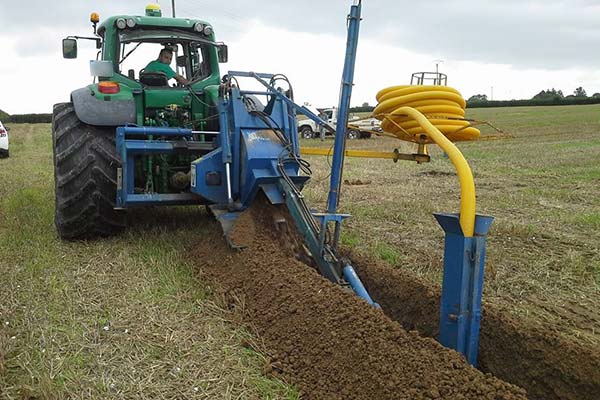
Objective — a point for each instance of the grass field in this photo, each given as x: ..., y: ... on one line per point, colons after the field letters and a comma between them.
x: 116, y: 318
x: 126, y: 318
x: 542, y: 186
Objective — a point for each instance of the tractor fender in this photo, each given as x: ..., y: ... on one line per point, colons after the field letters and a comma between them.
x: 94, y: 111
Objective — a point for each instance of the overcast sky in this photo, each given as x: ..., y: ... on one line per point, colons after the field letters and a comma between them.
x: 514, y: 48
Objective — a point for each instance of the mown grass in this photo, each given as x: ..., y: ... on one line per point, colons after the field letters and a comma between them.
x: 116, y: 318
x: 542, y: 186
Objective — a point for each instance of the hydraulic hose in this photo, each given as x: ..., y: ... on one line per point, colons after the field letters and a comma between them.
x: 401, y: 110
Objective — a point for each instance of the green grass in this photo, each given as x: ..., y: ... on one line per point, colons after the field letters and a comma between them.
x: 123, y: 317
x: 542, y: 185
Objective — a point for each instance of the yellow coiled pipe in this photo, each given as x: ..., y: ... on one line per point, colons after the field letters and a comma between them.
x: 443, y: 105
x: 401, y: 110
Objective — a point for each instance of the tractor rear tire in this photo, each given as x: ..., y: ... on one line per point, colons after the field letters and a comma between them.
x: 85, y: 177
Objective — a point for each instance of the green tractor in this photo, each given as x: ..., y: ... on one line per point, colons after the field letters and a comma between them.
x: 86, y: 163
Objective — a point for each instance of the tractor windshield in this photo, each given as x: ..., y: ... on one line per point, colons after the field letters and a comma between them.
x: 190, y: 53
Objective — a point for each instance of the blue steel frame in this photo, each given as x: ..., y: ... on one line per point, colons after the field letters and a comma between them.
x: 250, y: 151
x: 129, y: 148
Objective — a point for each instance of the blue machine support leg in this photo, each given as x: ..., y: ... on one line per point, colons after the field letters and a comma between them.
x: 464, y: 257
x: 344, y: 105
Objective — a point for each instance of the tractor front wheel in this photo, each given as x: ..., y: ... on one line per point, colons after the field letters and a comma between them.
x: 85, y: 177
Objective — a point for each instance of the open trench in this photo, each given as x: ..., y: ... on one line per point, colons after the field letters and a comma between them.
x: 332, y: 345
x: 527, y: 354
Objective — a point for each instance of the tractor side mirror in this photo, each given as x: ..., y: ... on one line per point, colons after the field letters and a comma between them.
x: 181, y: 61
x: 69, y: 48
x: 222, y: 51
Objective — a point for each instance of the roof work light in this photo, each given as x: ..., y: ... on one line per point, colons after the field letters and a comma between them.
x: 153, y: 10
x: 94, y: 19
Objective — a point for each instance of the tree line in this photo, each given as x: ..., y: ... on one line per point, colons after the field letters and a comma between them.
x: 25, y: 118
x: 548, y: 97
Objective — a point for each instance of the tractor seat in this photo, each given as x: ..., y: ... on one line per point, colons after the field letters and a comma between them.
x: 154, y: 78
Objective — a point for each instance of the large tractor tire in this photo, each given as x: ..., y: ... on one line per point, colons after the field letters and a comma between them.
x: 85, y: 177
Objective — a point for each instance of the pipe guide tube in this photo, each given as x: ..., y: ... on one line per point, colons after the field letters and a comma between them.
x: 460, y: 310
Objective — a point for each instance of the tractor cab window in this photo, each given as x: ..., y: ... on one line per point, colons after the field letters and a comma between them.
x: 189, y: 59
x: 135, y: 57
x: 199, y: 61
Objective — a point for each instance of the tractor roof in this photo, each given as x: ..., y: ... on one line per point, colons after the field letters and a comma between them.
x: 158, y: 22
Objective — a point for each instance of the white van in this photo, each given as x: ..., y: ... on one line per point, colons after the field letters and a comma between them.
x: 3, y: 141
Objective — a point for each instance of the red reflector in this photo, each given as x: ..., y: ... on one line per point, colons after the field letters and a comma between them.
x: 108, y: 87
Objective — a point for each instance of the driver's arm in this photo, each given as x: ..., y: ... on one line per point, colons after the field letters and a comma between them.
x: 181, y: 80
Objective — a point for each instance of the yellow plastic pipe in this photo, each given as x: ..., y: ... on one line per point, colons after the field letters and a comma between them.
x: 442, y: 105
x: 465, y: 176
x: 395, y: 91
x: 392, y: 103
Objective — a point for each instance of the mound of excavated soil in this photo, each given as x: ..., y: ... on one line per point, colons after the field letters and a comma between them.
x: 547, y: 365
x: 328, y: 342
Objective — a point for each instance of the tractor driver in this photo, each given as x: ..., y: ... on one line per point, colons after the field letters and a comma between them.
x: 163, y: 64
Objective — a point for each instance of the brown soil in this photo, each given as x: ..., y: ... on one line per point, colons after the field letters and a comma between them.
x: 527, y: 354
x: 328, y: 342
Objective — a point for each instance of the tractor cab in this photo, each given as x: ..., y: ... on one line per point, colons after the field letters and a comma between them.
x: 126, y: 75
